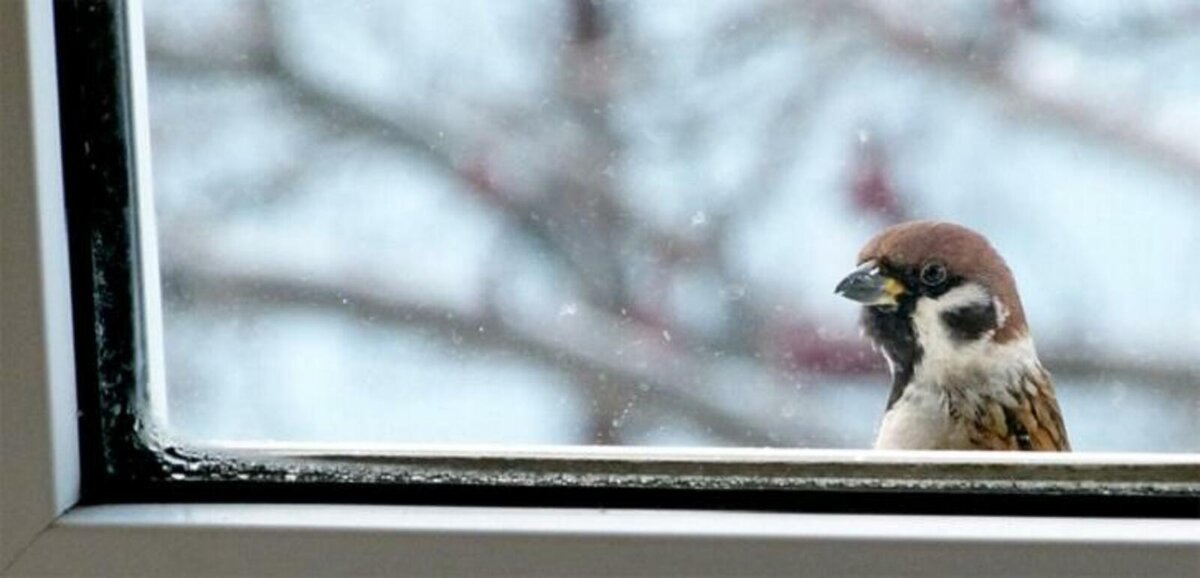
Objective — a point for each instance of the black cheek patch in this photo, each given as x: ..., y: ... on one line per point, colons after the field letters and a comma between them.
x: 971, y: 322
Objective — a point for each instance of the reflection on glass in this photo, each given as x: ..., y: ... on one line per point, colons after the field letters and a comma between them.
x: 576, y: 222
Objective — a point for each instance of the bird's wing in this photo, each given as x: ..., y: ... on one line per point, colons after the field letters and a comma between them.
x: 1030, y: 421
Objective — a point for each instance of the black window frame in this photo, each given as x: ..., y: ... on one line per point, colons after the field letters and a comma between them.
x: 123, y: 462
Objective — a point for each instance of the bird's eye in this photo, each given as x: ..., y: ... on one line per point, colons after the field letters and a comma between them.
x: 933, y: 274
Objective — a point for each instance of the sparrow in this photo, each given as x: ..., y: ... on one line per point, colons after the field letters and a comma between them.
x: 942, y: 306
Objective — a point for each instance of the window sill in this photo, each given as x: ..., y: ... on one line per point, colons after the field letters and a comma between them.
x: 238, y: 539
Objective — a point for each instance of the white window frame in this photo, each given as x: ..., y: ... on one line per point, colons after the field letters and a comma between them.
x: 45, y: 531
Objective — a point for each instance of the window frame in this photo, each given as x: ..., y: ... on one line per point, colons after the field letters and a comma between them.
x: 59, y: 518
x: 128, y: 458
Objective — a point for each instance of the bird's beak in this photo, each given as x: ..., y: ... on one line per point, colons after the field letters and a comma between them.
x: 870, y: 287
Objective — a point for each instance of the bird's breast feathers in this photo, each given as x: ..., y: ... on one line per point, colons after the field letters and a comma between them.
x: 999, y: 399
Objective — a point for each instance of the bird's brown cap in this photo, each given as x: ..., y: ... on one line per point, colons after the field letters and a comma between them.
x: 964, y: 253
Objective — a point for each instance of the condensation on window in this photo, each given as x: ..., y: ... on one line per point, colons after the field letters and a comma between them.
x: 575, y: 222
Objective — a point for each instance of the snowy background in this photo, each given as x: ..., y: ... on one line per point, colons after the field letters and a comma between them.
x: 575, y: 222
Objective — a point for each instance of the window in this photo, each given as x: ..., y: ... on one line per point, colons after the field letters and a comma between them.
x: 578, y: 223
x: 180, y: 149
x: 614, y: 223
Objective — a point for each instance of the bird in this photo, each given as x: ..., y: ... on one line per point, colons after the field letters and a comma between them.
x: 941, y: 305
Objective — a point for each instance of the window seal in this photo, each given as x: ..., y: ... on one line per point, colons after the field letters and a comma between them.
x: 100, y: 198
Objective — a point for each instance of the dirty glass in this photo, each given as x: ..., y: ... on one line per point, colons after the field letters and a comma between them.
x: 574, y: 222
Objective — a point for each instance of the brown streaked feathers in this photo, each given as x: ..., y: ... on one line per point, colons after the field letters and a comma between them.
x: 1033, y: 423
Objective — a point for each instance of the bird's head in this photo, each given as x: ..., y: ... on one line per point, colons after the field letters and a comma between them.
x: 934, y: 292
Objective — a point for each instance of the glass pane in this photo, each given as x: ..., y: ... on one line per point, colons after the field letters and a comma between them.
x: 620, y: 223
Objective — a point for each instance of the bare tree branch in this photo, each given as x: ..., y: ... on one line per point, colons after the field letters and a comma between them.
x: 1082, y: 111
x: 635, y: 359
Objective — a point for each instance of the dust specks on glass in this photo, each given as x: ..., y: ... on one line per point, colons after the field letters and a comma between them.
x: 571, y: 222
